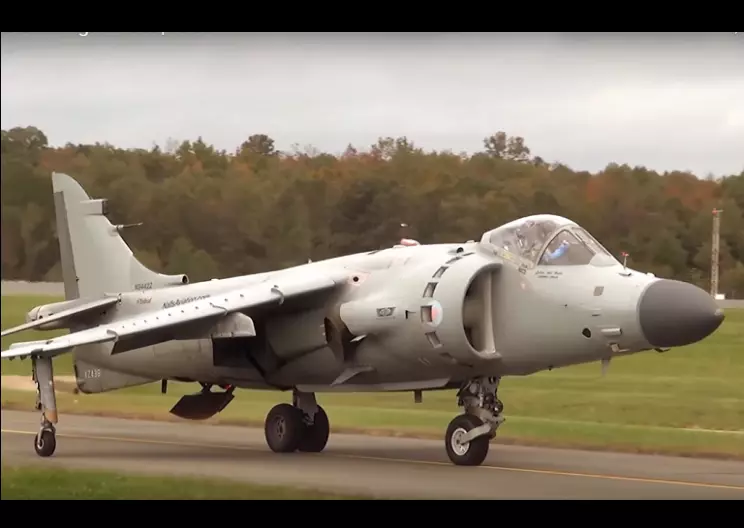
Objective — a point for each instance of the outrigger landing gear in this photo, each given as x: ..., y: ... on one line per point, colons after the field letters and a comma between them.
x: 469, y: 435
x: 45, y: 441
x: 302, y: 426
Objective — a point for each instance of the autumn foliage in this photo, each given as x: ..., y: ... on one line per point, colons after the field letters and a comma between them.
x: 211, y: 213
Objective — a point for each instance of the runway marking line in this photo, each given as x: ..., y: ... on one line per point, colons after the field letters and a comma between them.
x: 397, y: 460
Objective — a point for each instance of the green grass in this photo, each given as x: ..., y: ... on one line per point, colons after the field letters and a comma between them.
x: 647, y: 403
x: 36, y: 483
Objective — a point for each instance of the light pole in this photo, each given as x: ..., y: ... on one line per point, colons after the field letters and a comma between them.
x: 714, y: 251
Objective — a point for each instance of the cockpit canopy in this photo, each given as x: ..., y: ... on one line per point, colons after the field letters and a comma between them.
x: 548, y: 240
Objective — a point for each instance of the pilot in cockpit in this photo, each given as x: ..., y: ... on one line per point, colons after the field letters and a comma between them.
x: 558, y: 252
x: 567, y: 249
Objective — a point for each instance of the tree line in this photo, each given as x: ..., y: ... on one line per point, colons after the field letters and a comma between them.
x: 212, y: 213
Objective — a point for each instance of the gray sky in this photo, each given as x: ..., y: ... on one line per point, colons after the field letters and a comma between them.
x: 667, y: 101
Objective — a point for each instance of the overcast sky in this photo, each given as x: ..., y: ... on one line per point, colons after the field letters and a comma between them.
x: 668, y: 102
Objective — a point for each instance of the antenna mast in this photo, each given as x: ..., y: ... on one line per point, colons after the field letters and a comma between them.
x: 714, y: 251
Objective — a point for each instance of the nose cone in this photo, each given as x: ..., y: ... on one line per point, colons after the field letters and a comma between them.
x: 674, y: 313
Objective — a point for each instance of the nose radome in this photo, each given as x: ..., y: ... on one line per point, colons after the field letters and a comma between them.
x: 674, y: 313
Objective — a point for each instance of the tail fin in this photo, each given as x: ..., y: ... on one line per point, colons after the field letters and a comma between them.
x: 95, y: 259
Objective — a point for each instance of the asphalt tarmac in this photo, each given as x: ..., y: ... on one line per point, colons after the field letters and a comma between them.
x: 378, y: 466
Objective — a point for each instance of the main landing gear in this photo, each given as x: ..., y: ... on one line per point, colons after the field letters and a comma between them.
x: 469, y: 435
x: 45, y: 441
x: 302, y: 426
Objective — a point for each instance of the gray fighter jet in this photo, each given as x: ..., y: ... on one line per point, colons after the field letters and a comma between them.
x: 534, y: 294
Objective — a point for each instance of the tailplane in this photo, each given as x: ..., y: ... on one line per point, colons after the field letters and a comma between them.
x: 95, y: 258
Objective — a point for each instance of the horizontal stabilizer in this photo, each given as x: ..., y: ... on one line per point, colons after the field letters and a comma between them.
x: 69, y: 313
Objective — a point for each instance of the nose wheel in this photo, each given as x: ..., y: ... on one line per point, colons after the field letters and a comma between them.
x: 461, y: 451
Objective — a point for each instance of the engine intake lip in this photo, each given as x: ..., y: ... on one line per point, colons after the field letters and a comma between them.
x: 477, y: 326
x: 451, y: 293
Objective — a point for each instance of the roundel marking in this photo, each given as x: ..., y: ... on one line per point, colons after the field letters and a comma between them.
x: 436, y: 313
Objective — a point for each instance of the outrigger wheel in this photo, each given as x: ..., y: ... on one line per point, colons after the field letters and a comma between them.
x: 45, y: 442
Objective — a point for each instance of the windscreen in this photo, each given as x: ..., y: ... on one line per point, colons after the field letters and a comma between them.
x: 575, y: 247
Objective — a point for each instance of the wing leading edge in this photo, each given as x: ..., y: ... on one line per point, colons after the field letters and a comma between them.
x: 212, y: 309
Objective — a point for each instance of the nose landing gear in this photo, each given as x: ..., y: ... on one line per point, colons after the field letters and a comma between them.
x: 468, y: 436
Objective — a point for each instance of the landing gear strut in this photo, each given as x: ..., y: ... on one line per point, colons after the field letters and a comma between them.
x: 468, y: 435
x: 302, y: 426
x: 45, y: 441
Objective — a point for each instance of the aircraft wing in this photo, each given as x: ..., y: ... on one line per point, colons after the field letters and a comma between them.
x: 74, y: 312
x: 158, y: 326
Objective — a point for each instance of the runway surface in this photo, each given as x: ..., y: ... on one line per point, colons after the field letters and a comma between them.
x: 385, y: 467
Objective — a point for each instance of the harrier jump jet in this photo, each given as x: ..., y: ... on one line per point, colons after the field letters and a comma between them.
x: 537, y: 293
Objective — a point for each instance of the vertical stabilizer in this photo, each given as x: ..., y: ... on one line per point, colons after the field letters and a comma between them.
x: 95, y: 258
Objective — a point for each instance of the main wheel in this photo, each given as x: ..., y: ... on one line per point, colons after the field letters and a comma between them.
x: 45, y: 443
x: 284, y: 428
x: 472, y: 453
x: 316, y: 435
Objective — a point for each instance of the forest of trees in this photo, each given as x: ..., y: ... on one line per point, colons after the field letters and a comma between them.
x: 211, y: 213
